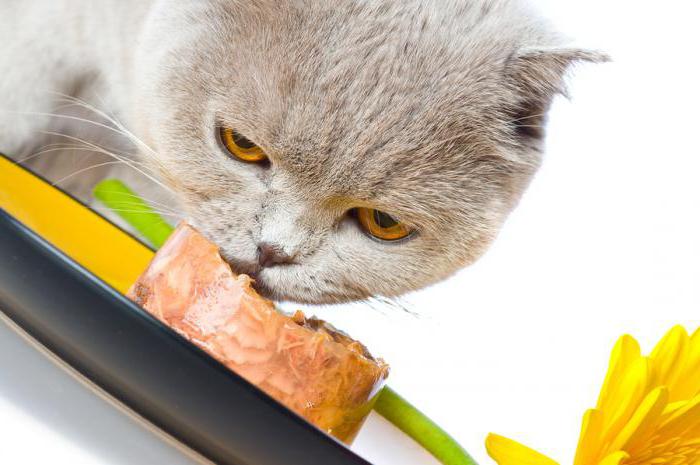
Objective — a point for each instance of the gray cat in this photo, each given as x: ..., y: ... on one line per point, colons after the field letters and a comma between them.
x: 334, y: 149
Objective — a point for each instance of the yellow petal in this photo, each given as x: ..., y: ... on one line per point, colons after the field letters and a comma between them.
x: 615, y: 458
x: 687, y: 384
x: 508, y: 452
x: 672, y: 407
x: 643, y: 420
x: 626, y: 351
x: 681, y: 420
x: 589, y: 441
x: 624, y: 399
x: 668, y: 357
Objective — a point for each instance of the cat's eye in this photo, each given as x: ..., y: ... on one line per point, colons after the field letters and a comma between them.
x: 382, y: 225
x: 240, y: 147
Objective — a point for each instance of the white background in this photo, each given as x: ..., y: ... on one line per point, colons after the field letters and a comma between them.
x: 606, y: 242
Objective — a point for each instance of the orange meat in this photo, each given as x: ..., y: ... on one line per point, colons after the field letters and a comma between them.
x: 306, y: 364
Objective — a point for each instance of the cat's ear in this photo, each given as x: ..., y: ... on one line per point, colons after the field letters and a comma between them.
x: 538, y: 75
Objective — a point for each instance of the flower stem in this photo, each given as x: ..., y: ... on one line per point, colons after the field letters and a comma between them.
x: 421, y: 429
x: 119, y: 198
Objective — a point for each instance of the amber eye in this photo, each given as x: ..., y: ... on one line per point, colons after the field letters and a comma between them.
x: 241, y: 148
x: 382, y: 225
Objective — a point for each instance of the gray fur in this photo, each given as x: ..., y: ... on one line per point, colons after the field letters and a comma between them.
x: 430, y: 110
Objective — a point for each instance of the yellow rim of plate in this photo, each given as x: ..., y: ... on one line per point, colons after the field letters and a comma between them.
x: 83, y: 235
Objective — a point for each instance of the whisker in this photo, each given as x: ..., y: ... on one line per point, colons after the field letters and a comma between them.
x: 160, y: 210
x: 123, y: 159
x: 46, y: 149
x: 537, y: 126
x: 98, y: 165
x: 122, y: 210
x: 139, y: 200
x: 75, y: 149
x: 540, y: 115
x: 117, y: 127
x: 109, y: 118
x: 110, y: 151
x: 74, y: 118
x: 373, y: 305
x: 395, y: 303
x: 65, y: 146
x: 96, y: 147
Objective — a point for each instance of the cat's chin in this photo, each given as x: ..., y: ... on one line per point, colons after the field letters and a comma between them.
x: 242, y: 267
x: 253, y: 270
x: 259, y: 283
x: 264, y: 290
x: 300, y: 295
x: 267, y: 283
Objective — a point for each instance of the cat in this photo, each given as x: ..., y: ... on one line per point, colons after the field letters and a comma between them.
x: 334, y: 149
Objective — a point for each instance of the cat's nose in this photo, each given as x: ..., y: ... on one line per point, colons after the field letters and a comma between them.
x: 271, y: 255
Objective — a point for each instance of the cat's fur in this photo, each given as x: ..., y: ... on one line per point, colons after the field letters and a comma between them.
x: 430, y: 110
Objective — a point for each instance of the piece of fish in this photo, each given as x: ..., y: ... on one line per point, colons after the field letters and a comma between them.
x: 315, y: 370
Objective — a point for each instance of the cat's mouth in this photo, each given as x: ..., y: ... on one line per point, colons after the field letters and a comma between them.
x: 263, y: 286
x: 253, y: 270
x: 241, y: 267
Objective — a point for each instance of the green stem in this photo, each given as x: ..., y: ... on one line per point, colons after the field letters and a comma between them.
x: 421, y: 429
x: 123, y: 201
x: 131, y: 208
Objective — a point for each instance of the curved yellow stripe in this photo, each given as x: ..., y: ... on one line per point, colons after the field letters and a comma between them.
x: 589, y: 442
x: 669, y: 356
x: 626, y: 352
x: 682, y: 420
x: 629, y: 391
x: 508, y: 452
x: 86, y: 237
x: 637, y: 428
x: 615, y: 458
x: 687, y: 385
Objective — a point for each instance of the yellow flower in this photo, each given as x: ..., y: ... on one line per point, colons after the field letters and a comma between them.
x: 648, y: 412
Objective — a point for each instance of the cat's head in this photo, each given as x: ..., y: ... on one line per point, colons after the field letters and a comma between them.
x: 429, y: 112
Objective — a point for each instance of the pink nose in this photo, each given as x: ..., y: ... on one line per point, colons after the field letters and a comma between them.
x: 270, y: 255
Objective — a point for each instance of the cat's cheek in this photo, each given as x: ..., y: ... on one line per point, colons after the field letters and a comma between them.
x: 236, y: 244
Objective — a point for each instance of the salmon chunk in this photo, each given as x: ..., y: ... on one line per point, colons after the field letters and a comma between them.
x: 304, y: 363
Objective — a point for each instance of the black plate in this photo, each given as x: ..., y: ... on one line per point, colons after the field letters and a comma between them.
x: 146, y: 366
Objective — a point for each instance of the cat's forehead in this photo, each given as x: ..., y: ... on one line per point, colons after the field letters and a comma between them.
x: 386, y: 94
x: 370, y: 62
x: 377, y: 98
